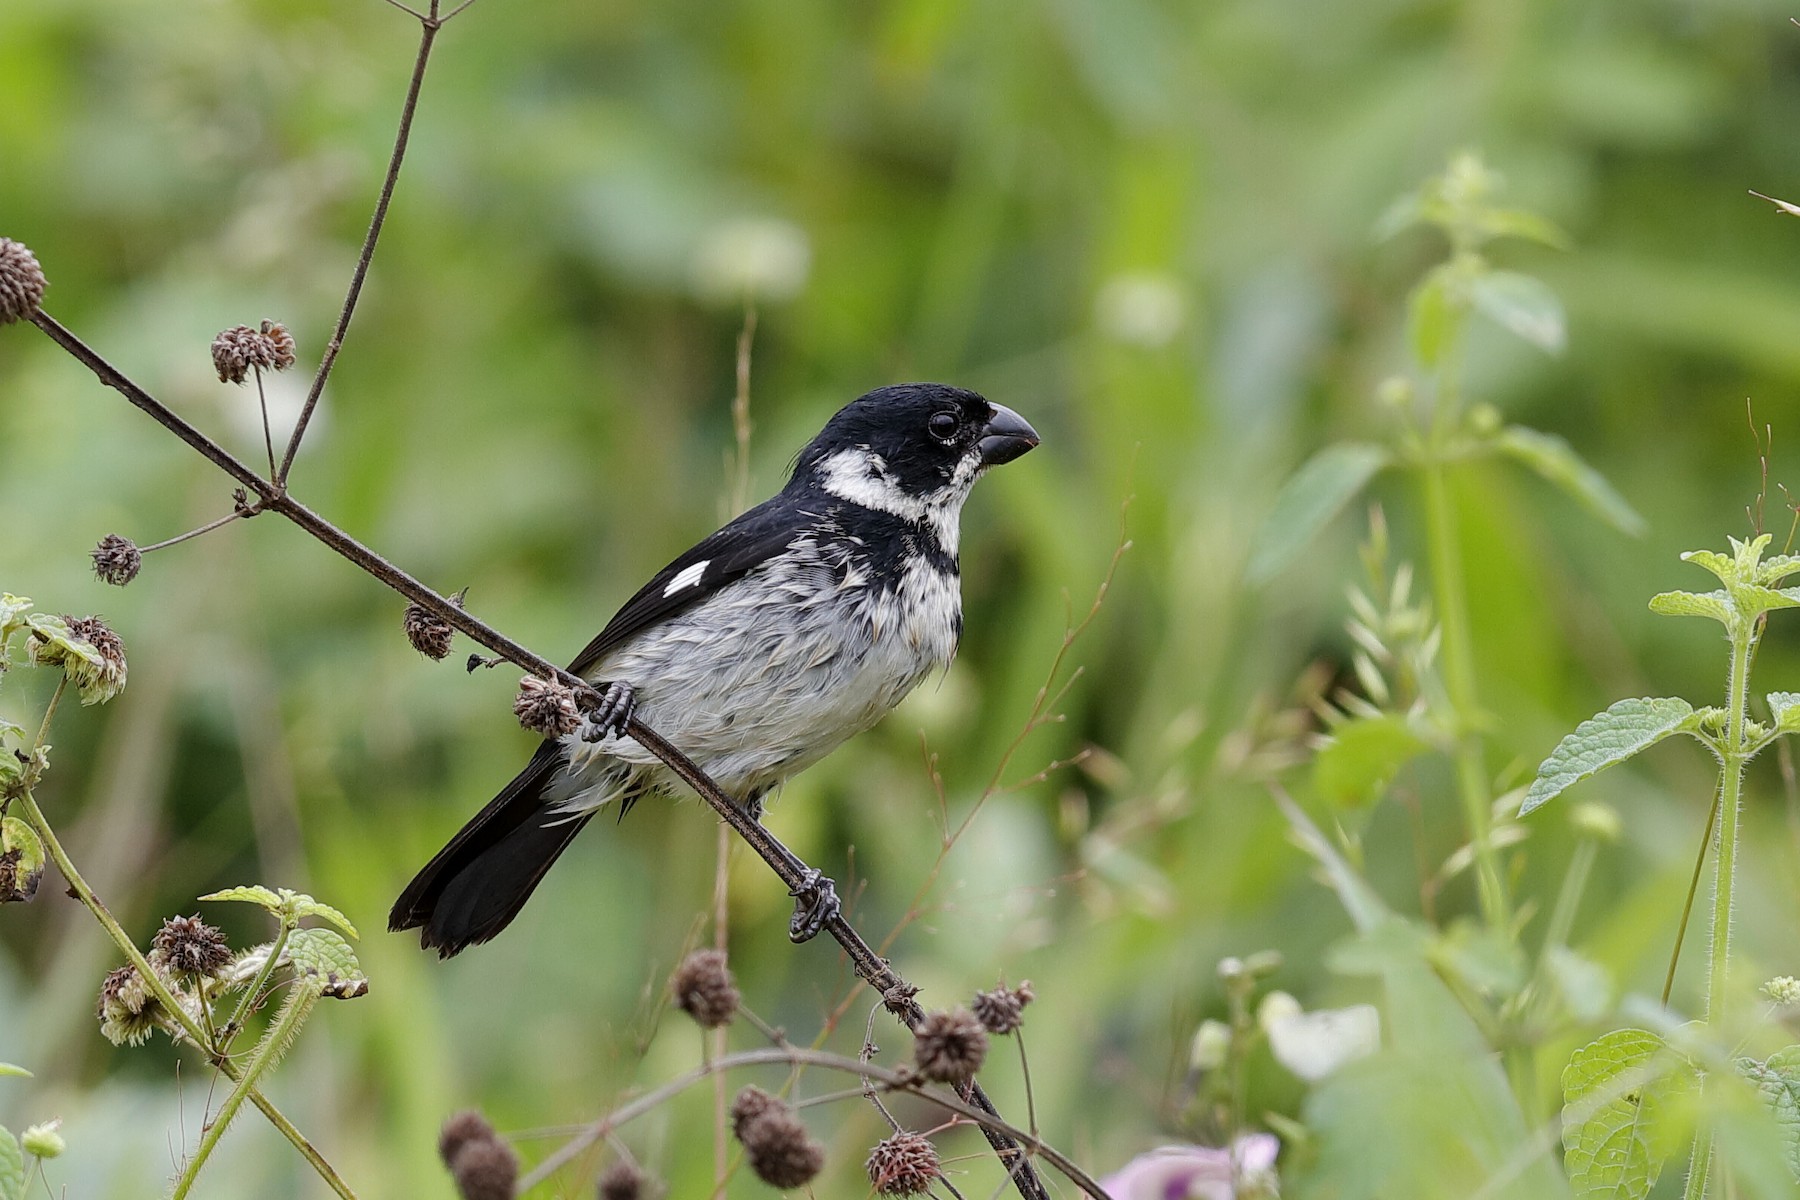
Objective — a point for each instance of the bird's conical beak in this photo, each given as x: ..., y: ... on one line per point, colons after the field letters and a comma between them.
x: 1006, y: 437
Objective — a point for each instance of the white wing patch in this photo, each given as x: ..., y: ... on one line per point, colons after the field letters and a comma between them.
x: 688, y: 577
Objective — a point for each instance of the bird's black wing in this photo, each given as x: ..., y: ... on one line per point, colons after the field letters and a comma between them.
x: 725, y: 556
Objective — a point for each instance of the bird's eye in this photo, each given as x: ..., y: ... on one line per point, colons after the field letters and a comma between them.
x: 942, y: 425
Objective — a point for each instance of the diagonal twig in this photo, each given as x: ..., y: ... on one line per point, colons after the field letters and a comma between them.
x: 897, y: 995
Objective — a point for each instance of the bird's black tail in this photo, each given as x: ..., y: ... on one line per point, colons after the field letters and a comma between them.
x: 478, y: 882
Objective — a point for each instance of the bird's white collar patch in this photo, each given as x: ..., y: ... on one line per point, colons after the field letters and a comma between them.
x: 860, y: 476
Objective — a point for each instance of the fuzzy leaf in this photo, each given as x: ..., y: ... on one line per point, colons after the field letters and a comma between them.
x: 253, y: 894
x: 1625, y: 729
x: 1613, y: 1089
x: 1307, y: 502
x: 1523, y: 305
x: 1555, y: 460
x: 1363, y: 757
x: 1776, y: 569
x: 326, y: 961
x: 1713, y: 561
x: 306, y: 906
x: 19, y: 878
x: 1716, y: 605
x: 1753, y: 599
x: 12, y: 1167
x: 1778, y: 1082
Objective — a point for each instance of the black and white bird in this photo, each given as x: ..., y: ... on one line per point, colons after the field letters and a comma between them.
x: 798, y: 625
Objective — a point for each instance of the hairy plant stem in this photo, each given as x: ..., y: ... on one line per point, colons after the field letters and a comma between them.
x: 1459, y: 683
x: 894, y: 990
x: 800, y: 1056
x: 294, y: 1009
x: 34, y: 817
x: 262, y: 977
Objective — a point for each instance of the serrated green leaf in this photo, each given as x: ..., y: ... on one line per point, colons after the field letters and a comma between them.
x: 12, y: 1167
x: 326, y: 961
x: 1713, y: 561
x: 7, y: 1068
x: 306, y: 906
x: 1753, y: 599
x: 1774, y: 570
x: 1522, y: 305
x: 1559, y: 464
x: 252, y: 894
x: 1433, y: 316
x: 1748, y: 555
x: 1778, y: 1082
x: 1625, y: 729
x: 1316, y: 493
x: 1716, y: 604
x: 8, y: 729
x: 1613, y: 1091
x: 1363, y: 757
x: 1784, y: 708
x: 19, y: 876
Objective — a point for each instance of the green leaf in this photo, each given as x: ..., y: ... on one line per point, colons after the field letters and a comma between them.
x: 325, y: 960
x: 1713, y: 561
x: 1614, y: 1089
x: 1784, y: 707
x: 1362, y: 758
x: 253, y: 894
x: 1517, y: 222
x: 1778, y: 1082
x: 1625, y: 729
x: 1433, y: 316
x: 19, y: 878
x: 1555, y: 460
x: 1716, y: 605
x: 1317, y: 492
x: 12, y: 1167
x: 1774, y: 570
x: 1753, y: 599
x: 1522, y: 305
x: 7, y: 1068
x: 305, y: 906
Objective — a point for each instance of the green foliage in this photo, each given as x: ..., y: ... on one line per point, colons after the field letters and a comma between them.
x: 326, y: 963
x: 1318, y: 491
x: 1363, y: 756
x: 12, y: 1168
x: 290, y: 906
x: 1777, y: 1080
x: 1626, y: 728
x: 1616, y: 1095
x: 1553, y: 458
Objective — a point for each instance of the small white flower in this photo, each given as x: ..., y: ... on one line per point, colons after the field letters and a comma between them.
x: 764, y: 258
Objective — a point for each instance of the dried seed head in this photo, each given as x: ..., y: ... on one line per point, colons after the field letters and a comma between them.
x: 22, y: 282
x: 126, y: 1010
x: 282, y: 342
x: 1003, y: 1009
x: 546, y: 706
x: 775, y: 1140
x: 705, y: 990
x: 191, y: 948
x: 117, y: 559
x: 949, y: 1045
x: 17, y: 885
x: 624, y: 1180
x: 238, y: 349
x: 429, y: 633
x: 904, y: 1165
x: 97, y: 683
x: 485, y: 1170
x: 459, y: 1130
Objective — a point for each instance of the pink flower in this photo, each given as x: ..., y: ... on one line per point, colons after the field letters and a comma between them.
x: 1199, y: 1172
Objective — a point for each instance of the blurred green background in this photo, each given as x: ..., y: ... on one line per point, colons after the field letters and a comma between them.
x: 1146, y: 225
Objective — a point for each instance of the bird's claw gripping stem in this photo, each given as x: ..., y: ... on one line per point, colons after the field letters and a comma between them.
x: 611, y: 714
x: 815, y: 905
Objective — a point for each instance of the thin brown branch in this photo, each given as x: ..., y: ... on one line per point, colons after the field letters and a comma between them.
x: 428, y: 31
x: 798, y: 1057
x: 896, y: 993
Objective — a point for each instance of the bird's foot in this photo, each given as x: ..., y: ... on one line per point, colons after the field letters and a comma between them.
x: 611, y: 714
x: 815, y: 905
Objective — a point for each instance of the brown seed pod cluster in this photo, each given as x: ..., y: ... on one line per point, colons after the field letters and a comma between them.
x: 775, y: 1140
x: 117, y: 559
x: 127, y: 1010
x: 546, y: 706
x: 22, y: 282
x: 624, y: 1180
x: 705, y: 990
x: 190, y: 948
x: 483, y: 1165
x: 240, y: 349
x: 1003, y: 1010
x: 949, y: 1045
x: 904, y: 1165
x: 429, y: 633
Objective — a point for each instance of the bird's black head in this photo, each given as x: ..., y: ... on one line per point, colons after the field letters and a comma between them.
x: 913, y: 449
